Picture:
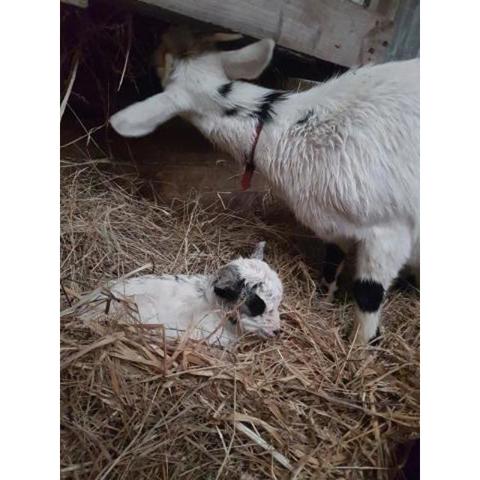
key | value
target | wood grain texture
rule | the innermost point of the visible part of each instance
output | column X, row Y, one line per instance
column 76, row 3
column 339, row 31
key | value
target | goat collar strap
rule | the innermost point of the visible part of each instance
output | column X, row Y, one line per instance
column 250, row 164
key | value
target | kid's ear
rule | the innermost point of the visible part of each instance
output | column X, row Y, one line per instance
column 144, row 117
column 259, row 251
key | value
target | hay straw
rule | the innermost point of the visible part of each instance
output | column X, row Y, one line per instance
column 263, row 444
column 127, row 54
column 71, row 81
column 302, row 406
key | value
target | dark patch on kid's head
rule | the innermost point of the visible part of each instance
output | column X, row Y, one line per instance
column 228, row 285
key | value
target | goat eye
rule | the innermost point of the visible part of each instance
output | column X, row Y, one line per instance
column 255, row 305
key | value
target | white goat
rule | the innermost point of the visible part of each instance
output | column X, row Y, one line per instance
column 344, row 155
column 241, row 297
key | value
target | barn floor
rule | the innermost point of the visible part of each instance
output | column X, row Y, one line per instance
column 305, row 405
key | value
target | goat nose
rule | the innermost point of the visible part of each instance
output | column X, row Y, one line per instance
column 277, row 332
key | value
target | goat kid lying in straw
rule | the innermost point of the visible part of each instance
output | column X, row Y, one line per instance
column 241, row 297
column 344, row 155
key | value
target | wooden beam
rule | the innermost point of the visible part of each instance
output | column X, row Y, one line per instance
column 339, row 31
column 76, row 3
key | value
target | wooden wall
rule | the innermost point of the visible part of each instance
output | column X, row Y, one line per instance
column 339, row 31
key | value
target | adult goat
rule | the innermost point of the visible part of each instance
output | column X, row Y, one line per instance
column 344, row 155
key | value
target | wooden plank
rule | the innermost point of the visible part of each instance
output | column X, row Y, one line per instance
column 76, row 3
column 339, row 31
column 406, row 38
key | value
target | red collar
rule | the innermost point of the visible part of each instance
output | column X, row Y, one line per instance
column 249, row 163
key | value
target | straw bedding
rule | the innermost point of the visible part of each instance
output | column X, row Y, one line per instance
column 302, row 406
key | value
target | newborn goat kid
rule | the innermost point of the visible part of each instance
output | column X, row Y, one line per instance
column 344, row 155
column 242, row 297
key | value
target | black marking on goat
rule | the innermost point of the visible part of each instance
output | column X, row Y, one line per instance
column 333, row 258
column 228, row 284
column 265, row 112
column 230, row 293
column 306, row 118
column 231, row 112
column 368, row 294
column 225, row 89
column 256, row 306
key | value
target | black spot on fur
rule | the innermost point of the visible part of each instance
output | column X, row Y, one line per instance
column 368, row 294
column 333, row 258
column 256, row 306
column 230, row 112
column 265, row 111
column 228, row 284
column 230, row 294
column 306, row 118
column 225, row 89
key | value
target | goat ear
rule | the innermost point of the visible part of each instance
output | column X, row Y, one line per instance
column 228, row 284
column 144, row 117
column 248, row 62
column 259, row 251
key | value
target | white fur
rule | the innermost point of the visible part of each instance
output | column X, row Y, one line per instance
column 188, row 305
column 350, row 172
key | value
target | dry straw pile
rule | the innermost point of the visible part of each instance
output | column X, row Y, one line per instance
column 302, row 406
